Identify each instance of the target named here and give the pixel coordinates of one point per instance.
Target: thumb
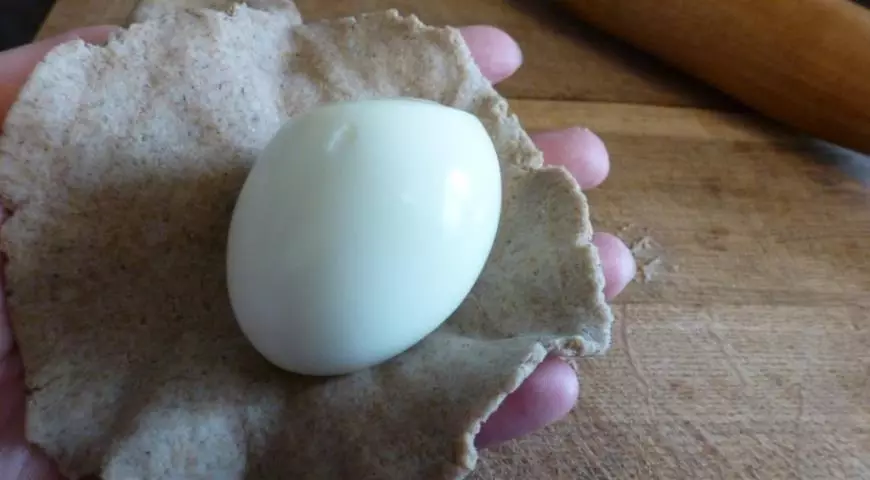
(17, 64)
(8, 94)
(27, 462)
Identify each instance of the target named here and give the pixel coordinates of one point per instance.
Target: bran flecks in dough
(153, 9)
(122, 163)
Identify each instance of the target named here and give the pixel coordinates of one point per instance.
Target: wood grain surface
(742, 351)
(802, 62)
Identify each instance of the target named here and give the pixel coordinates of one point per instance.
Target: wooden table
(744, 350)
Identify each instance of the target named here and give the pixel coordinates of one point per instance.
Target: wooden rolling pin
(804, 63)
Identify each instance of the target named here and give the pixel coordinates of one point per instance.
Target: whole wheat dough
(122, 163)
(153, 9)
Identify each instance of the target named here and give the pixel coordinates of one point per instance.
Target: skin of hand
(545, 397)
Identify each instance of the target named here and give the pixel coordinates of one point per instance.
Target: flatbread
(154, 9)
(123, 162)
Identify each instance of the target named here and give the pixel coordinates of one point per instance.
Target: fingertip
(579, 150)
(546, 396)
(8, 94)
(496, 53)
(560, 380)
(597, 157)
(19, 62)
(617, 263)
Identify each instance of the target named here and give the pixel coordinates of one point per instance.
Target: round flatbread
(123, 162)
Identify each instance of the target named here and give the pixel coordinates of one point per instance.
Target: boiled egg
(360, 229)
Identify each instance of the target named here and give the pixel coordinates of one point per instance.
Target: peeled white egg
(360, 229)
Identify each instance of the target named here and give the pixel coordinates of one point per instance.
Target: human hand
(546, 396)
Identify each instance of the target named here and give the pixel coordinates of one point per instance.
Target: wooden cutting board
(743, 348)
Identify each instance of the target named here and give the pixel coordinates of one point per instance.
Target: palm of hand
(547, 395)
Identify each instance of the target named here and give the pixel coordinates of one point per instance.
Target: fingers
(8, 93)
(497, 54)
(586, 158)
(552, 389)
(26, 461)
(616, 261)
(546, 396)
(19, 62)
(580, 151)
